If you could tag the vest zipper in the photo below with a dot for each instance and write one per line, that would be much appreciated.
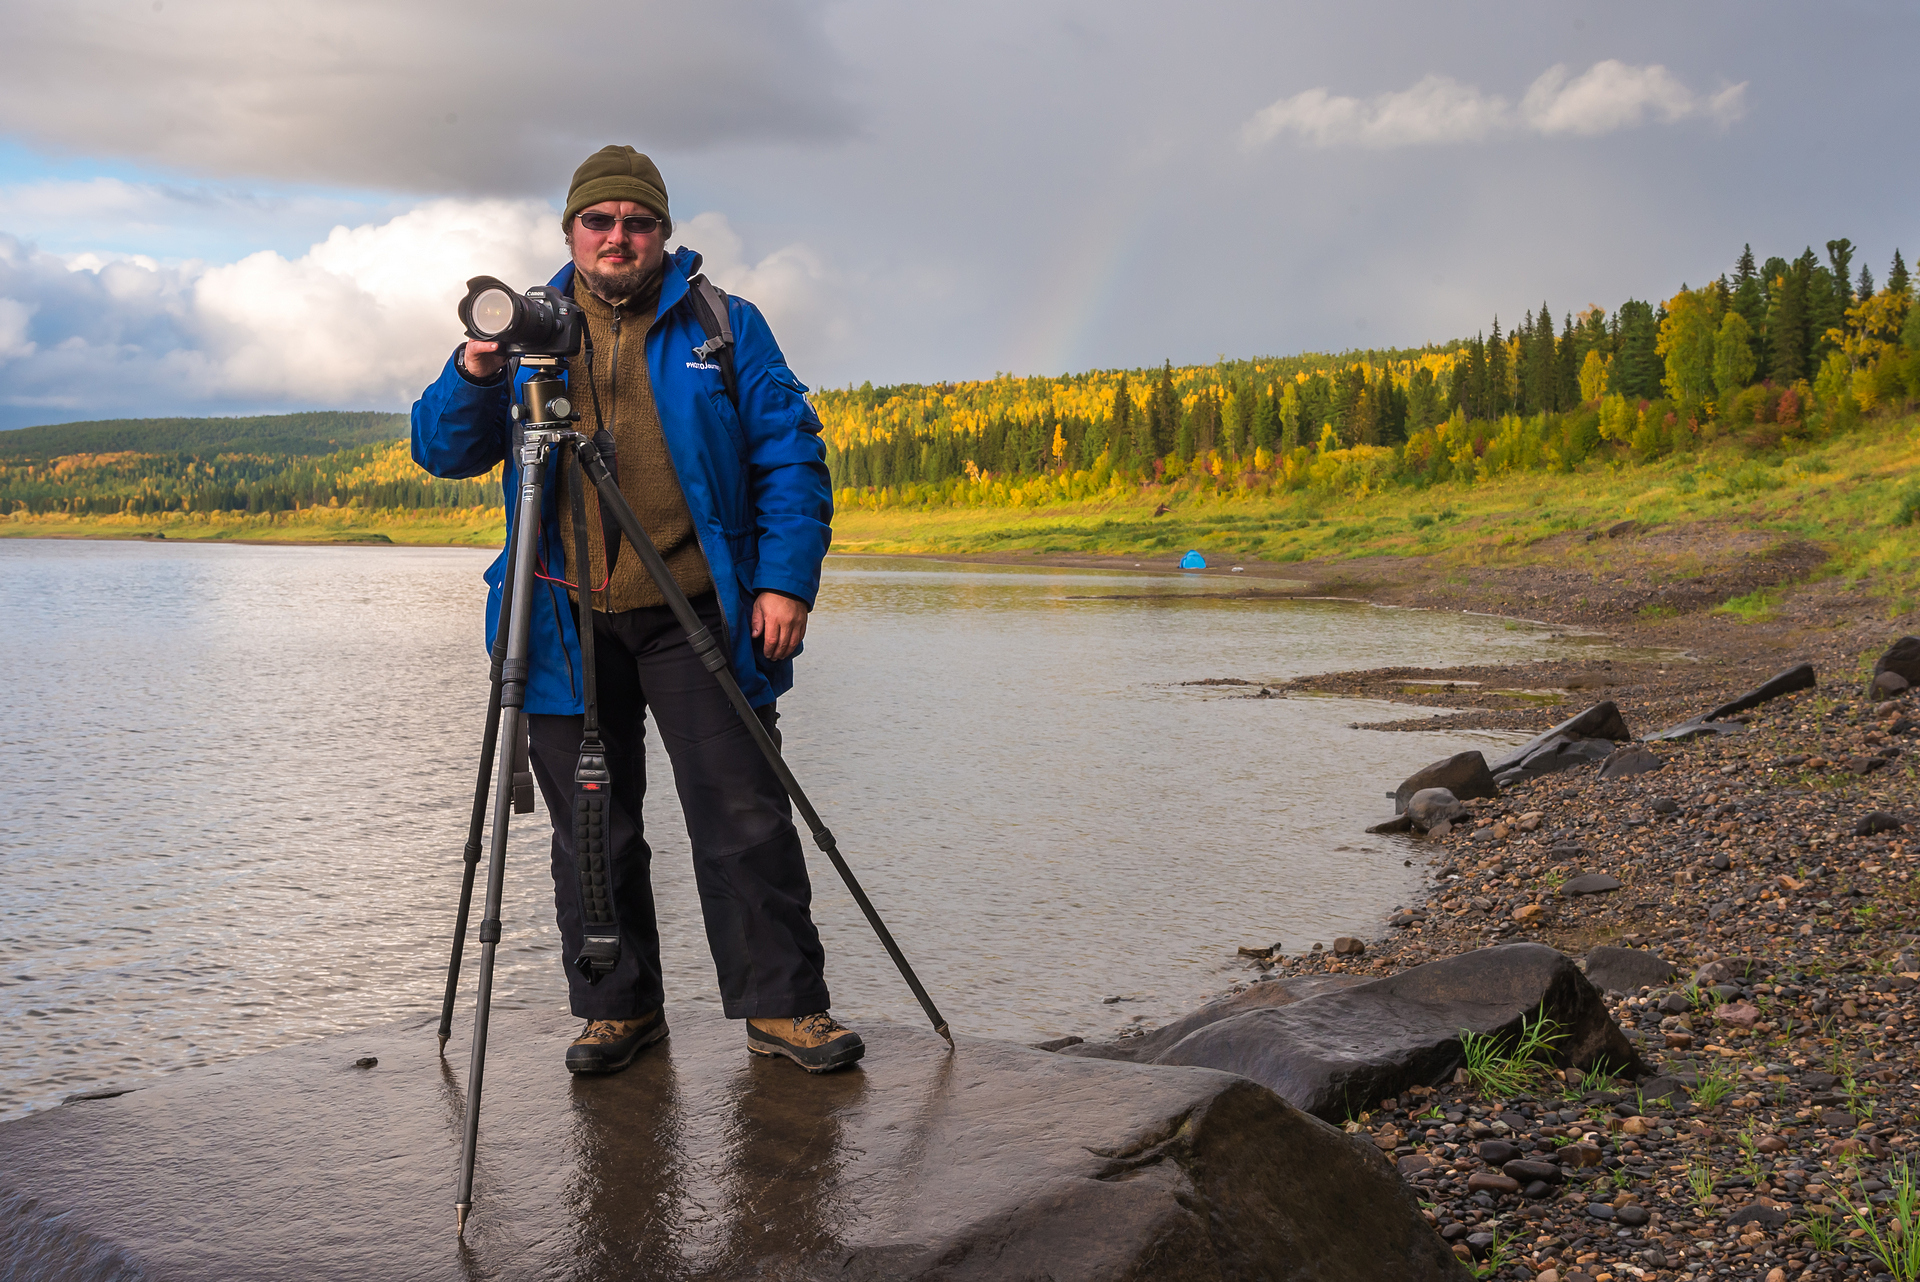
(613, 375)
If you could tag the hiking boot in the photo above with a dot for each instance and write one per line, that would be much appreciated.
(814, 1042)
(609, 1045)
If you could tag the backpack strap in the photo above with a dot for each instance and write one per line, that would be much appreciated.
(710, 309)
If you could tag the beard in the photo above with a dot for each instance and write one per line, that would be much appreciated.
(619, 285)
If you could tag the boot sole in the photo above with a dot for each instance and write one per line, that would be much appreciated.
(838, 1060)
(598, 1068)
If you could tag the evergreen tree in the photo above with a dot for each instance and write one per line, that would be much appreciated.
(1167, 419)
(1289, 409)
(1787, 326)
(1897, 282)
(1744, 271)
(1828, 298)
(1865, 289)
(1567, 357)
(1266, 421)
(1119, 420)
(1637, 368)
(1499, 399)
(1422, 401)
(1840, 259)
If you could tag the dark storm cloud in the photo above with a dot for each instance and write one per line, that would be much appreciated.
(477, 96)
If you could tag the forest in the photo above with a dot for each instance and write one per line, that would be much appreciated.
(375, 477)
(1771, 353)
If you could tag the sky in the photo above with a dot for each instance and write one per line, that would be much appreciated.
(248, 206)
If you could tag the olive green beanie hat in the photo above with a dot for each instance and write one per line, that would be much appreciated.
(617, 173)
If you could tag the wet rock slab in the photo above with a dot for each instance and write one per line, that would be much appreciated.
(1329, 1049)
(995, 1161)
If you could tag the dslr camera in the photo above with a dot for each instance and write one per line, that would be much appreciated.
(542, 322)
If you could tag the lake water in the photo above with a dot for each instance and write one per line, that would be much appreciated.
(237, 780)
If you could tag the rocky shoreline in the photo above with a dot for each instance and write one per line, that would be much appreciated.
(1745, 898)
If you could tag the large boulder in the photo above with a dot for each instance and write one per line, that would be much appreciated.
(1555, 755)
(1902, 657)
(1798, 677)
(1630, 759)
(1574, 742)
(1464, 774)
(991, 1161)
(1267, 995)
(1612, 968)
(1432, 806)
(1601, 721)
(1339, 1050)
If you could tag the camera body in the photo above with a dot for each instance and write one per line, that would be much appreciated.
(541, 322)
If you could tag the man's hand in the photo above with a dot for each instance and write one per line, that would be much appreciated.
(483, 360)
(779, 623)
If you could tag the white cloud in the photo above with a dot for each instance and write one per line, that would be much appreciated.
(364, 319)
(482, 96)
(1608, 96)
(14, 316)
(803, 300)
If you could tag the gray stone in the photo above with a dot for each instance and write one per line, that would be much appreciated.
(1626, 970)
(1633, 1215)
(1496, 1152)
(1631, 759)
(1887, 686)
(1526, 1170)
(1664, 1087)
(1357, 1044)
(1431, 806)
(1399, 823)
(1771, 1217)
(1555, 756)
(1464, 774)
(1698, 728)
(991, 1161)
(1601, 721)
(1590, 883)
(1877, 821)
(1799, 677)
(1903, 657)
(1348, 946)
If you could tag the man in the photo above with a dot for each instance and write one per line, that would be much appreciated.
(738, 501)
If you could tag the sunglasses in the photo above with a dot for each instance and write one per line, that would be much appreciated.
(636, 224)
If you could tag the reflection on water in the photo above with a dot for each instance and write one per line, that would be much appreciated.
(238, 780)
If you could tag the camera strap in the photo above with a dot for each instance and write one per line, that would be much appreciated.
(592, 782)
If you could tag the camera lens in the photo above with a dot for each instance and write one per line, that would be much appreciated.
(493, 312)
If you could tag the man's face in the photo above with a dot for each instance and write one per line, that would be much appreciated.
(616, 261)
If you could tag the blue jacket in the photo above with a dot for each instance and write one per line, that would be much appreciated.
(756, 482)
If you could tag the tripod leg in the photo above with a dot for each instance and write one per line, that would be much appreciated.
(513, 697)
(715, 659)
(476, 823)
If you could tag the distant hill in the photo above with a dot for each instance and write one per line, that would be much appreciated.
(306, 435)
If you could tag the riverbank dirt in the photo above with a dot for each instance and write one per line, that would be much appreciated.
(1772, 868)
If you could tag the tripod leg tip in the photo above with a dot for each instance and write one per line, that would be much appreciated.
(461, 1209)
(946, 1033)
(443, 1043)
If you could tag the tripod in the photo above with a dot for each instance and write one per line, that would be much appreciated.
(545, 416)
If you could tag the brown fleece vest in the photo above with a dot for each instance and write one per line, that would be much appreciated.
(647, 477)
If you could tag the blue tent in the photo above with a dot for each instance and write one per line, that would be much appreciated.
(1193, 561)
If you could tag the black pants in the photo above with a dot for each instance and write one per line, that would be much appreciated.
(747, 860)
